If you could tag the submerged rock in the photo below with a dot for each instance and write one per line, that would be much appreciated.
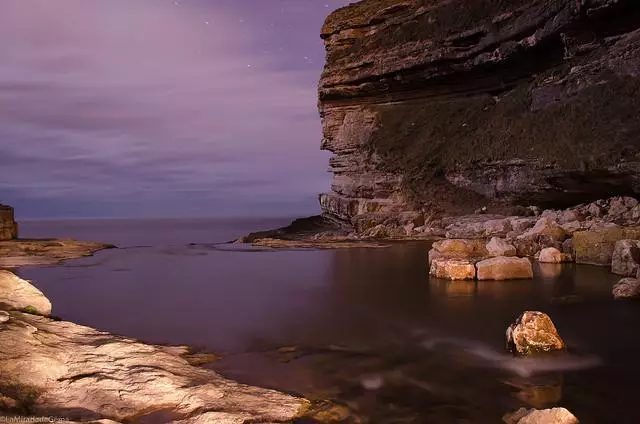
(625, 259)
(532, 333)
(541, 416)
(627, 288)
(452, 269)
(16, 293)
(504, 268)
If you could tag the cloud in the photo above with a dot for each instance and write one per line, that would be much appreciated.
(125, 101)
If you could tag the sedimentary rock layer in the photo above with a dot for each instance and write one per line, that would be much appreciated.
(447, 105)
(8, 225)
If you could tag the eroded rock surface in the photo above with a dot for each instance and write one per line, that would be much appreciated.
(81, 373)
(532, 333)
(16, 293)
(522, 102)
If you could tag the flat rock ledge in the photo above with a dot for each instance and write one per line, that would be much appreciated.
(22, 252)
(60, 369)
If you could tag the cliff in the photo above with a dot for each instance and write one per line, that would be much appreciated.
(444, 106)
(8, 225)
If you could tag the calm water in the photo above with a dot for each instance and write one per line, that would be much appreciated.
(366, 327)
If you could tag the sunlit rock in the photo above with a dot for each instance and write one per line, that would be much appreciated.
(89, 375)
(16, 293)
(550, 255)
(532, 333)
(452, 269)
(504, 268)
(541, 416)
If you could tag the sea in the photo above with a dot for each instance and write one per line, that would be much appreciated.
(365, 330)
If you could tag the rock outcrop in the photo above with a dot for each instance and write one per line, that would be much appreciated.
(16, 293)
(15, 253)
(55, 368)
(533, 333)
(8, 225)
(444, 107)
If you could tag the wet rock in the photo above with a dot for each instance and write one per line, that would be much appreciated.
(532, 333)
(504, 268)
(16, 293)
(548, 227)
(625, 259)
(550, 255)
(499, 247)
(541, 416)
(627, 288)
(453, 269)
(595, 246)
(89, 375)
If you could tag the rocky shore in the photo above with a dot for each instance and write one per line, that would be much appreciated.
(52, 368)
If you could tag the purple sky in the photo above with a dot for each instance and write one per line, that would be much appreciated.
(161, 108)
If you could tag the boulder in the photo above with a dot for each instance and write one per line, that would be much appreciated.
(627, 288)
(532, 333)
(526, 246)
(499, 247)
(16, 293)
(541, 416)
(550, 255)
(453, 269)
(548, 227)
(504, 268)
(595, 246)
(625, 259)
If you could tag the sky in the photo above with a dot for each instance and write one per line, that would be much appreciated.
(161, 108)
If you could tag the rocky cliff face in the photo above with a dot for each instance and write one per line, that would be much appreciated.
(8, 225)
(443, 106)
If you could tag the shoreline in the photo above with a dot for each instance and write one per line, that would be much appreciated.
(50, 367)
